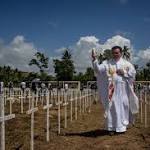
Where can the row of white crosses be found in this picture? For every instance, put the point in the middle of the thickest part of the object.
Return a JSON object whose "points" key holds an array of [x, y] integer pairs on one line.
{"points": [[47, 107], [143, 92], [33, 98], [76, 97], [65, 104], [3, 118], [31, 111]]}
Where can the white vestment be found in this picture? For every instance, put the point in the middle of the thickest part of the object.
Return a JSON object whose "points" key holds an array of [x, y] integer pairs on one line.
{"points": [[124, 103]]}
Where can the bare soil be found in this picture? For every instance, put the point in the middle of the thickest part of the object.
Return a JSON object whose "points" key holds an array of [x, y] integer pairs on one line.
{"points": [[86, 133]]}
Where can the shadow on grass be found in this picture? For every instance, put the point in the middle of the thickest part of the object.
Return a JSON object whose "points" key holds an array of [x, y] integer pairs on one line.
{"points": [[93, 133]]}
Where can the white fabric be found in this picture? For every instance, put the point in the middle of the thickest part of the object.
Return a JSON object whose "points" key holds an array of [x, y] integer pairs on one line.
{"points": [[124, 103]]}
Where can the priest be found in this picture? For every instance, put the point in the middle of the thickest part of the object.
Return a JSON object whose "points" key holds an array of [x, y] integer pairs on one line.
{"points": [[115, 79]]}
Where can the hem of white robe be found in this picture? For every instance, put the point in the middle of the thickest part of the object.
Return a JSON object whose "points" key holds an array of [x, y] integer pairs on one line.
{"points": [[119, 129]]}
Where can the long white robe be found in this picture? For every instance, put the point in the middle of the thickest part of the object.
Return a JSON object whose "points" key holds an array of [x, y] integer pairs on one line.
{"points": [[118, 112]]}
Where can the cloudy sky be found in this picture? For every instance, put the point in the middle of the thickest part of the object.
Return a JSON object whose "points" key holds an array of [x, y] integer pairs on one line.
{"points": [[28, 26]]}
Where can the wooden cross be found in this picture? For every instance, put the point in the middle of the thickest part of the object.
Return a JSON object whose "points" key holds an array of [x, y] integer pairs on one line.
{"points": [[58, 103], [145, 107], [71, 100], [80, 100], [76, 104], [37, 97], [47, 106], [89, 100], [83, 102], [31, 111], [29, 97], [141, 106], [3, 118], [65, 106], [22, 97], [11, 100]]}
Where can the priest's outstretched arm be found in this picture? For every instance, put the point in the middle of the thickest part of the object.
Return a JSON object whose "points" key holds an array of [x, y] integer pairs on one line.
{"points": [[98, 68]]}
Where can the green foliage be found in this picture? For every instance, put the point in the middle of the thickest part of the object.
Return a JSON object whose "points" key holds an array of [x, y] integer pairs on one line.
{"points": [[41, 61], [87, 76], [8, 74], [126, 53], [100, 58], [64, 68], [144, 73], [107, 54]]}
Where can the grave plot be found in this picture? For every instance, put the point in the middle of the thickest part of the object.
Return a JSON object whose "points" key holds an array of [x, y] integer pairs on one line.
{"points": [[37, 119], [142, 89]]}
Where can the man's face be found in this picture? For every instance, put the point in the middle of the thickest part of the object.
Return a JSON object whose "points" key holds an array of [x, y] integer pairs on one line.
{"points": [[116, 53]]}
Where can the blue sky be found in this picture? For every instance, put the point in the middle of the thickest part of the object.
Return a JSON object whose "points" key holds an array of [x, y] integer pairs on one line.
{"points": [[52, 24]]}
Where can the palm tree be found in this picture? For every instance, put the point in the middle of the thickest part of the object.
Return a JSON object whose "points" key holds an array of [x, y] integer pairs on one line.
{"points": [[100, 58], [125, 53]]}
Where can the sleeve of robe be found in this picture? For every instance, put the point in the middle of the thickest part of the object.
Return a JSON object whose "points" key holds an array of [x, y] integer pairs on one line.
{"points": [[102, 82], [133, 99], [130, 72], [98, 68]]}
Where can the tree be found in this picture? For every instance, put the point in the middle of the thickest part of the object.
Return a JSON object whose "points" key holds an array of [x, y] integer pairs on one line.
{"points": [[64, 68], [148, 65], [147, 71], [41, 61], [89, 74], [107, 54], [126, 53], [100, 58]]}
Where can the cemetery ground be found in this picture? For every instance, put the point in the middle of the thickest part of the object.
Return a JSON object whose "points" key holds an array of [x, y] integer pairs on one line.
{"points": [[85, 133]]}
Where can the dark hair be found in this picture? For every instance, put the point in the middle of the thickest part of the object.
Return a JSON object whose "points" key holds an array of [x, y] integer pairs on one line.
{"points": [[117, 47]]}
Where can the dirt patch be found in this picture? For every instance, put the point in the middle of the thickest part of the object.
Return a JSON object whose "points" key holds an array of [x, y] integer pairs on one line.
{"points": [[85, 133]]}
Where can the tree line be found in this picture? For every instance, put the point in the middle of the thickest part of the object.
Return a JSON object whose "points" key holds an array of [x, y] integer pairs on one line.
{"points": [[64, 69]]}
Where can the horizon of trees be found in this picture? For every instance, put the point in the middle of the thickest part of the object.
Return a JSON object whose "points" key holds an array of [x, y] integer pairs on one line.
{"points": [[64, 69]]}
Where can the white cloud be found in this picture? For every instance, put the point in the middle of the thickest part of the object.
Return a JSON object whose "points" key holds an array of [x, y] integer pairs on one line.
{"points": [[81, 52], [82, 49], [117, 40], [142, 57], [60, 50], [88, 39], [17, 54]]}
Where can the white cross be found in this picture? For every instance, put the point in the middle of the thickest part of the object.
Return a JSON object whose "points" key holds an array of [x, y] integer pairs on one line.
{"points": [[37, 96], [11, 99], [3, 118], [22, 97], [89, 99], [58, 103], [145, 107], [76, 104], [80, 100], [29, 97], [42, 96], [65, 106], [47, 106], [71, 100], [32, 111]]}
